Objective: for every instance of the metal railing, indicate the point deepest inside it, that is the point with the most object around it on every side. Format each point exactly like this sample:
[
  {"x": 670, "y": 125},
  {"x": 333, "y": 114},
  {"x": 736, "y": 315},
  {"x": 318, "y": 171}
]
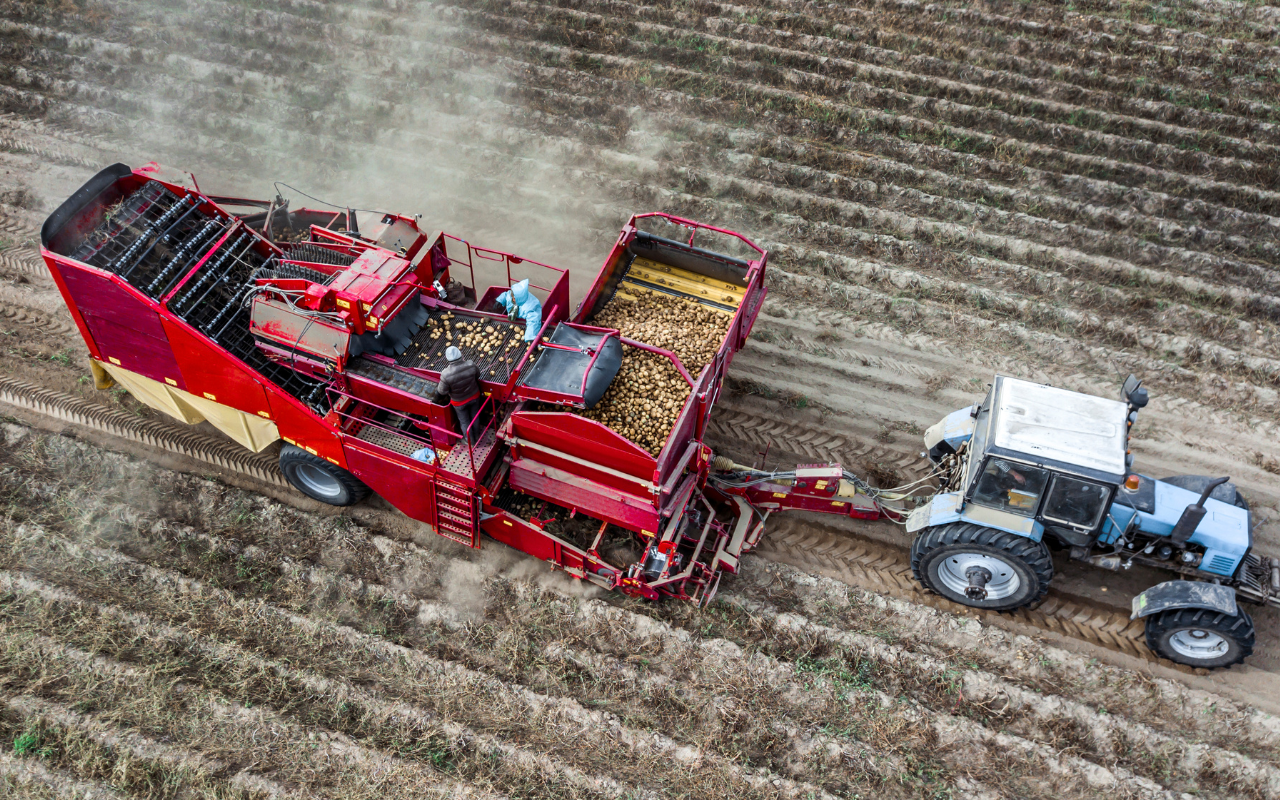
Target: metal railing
[
  {"x": 507, "y": 260},
  {"x": 417, "y": 431}
]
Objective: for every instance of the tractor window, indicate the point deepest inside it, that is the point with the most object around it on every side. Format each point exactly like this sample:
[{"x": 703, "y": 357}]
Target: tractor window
[
  {"x": 1075, "y": 502},
  {"x": 1010, "y": 486}
]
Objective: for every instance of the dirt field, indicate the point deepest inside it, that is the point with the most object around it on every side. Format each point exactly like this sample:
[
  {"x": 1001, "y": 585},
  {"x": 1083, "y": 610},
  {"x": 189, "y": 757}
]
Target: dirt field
[{"x": 946, "y": 191}]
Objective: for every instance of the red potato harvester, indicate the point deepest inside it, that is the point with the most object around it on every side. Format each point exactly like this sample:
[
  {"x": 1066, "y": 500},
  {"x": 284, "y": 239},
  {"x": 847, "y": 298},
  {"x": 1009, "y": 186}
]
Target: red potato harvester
[{"x": 327, "y": 330}]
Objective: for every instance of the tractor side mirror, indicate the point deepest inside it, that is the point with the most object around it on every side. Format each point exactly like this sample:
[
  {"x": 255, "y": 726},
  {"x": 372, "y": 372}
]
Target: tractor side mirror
[
  {"x": 1192, "y": 514},
  {"x": 1133, "y": 392}
]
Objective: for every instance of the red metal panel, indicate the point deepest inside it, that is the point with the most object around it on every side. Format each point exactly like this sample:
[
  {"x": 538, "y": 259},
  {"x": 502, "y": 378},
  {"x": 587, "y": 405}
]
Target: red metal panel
[
  {"x": 99, "y": 295},
  {"x": 300, "y": 426},
  {"x": 382, "y": 394},
  {"x": 638, "y": 488},
  {"x": 211, "y": 372},
  {"x": 773, "y": 496},
  {"x": 56, "y": 267},
  {"x": 124, "y": 326},
  {"x": 410, "y": 490},
  {"x": 681, "y": 433},
  {"x": 135, "y": 352},
  {"x": 585, "y": 439},
  {"x": 573, "y": 491},
  {"x": 515, "y": 532}
]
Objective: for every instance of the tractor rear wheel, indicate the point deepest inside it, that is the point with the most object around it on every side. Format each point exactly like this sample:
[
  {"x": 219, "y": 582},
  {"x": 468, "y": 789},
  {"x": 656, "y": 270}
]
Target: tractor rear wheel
[
  {"x": 1200, "y": 638},
  {"x": 320, "y": 479},
  {"x": 981, "y": 567}
]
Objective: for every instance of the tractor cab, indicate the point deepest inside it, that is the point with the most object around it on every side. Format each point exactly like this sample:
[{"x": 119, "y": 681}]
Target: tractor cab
[{"x": 1031, "y": 459}]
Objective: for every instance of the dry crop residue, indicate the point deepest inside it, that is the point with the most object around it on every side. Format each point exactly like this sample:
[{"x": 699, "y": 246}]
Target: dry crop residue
[{"x": 220, "y": 643}]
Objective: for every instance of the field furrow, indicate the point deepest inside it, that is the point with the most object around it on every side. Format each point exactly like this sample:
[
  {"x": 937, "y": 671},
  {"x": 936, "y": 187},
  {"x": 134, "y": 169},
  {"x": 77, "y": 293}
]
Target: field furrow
[
  {"x": 1227, "y": 359},
  {"x": 527, "y": 620},
  {"x": 1064, "y": 192}
]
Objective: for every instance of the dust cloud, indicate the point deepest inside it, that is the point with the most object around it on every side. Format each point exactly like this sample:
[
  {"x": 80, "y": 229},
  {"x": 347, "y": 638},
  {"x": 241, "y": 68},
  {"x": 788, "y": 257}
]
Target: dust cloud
[{"x": 394, "y": 117}]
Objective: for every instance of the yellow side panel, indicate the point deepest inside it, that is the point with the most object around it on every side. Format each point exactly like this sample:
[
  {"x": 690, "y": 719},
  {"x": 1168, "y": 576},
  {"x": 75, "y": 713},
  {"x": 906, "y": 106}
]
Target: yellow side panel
[
  {"x": 686, "y": 282},
  {"x": 249, "y": 430},
  {"x": 634, "y": 291}
]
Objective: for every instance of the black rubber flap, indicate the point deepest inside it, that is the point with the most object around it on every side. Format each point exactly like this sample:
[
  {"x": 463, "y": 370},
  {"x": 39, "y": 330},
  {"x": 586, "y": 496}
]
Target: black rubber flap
[
  {"x": 561, "y": 370},
  {"x": 83, "y": 197}
]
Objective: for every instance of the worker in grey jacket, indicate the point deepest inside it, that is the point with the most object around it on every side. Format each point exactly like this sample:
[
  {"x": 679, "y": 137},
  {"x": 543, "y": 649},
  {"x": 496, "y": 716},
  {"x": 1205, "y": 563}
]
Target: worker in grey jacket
[{"x": 460, "y": 385}]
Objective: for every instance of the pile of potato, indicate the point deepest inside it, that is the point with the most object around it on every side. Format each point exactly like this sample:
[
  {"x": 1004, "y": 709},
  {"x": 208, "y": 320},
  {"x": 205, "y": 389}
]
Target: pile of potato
[
  {"x": 481, "y": 336},
  {"x": 644, "y": 399},
  {"x": 690, "y": 330}
]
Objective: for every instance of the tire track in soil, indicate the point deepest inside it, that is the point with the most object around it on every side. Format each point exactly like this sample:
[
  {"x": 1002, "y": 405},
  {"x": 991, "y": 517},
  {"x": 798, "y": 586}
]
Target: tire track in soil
[
  {"x": 880, "y": 568},
  {"x": 16, "y": 317}
]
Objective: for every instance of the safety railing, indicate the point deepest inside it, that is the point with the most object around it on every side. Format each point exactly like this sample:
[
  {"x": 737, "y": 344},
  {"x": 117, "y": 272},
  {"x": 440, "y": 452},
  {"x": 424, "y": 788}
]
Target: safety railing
[
  {"x": 694, "y": 226},
  {"x": 557, "y": 293},
  {"x": 357, "y": 416},
  {"x": 485, "y": 412}
]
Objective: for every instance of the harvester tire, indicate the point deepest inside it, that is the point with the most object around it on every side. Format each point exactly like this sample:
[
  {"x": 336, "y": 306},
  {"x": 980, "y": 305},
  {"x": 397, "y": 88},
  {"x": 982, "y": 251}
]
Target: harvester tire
[
  {"x": 1200, "y": 638},
  {"x": 320, "y": 479},
  {"x": 1018, "y": 569}
]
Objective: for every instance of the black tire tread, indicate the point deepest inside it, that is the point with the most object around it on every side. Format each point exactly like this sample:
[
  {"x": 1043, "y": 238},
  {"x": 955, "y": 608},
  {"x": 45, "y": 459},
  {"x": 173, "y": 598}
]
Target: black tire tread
[
  {"x": 1034, "y": 554},
  {"x": 1239, "y": 627},
  {"x": 356, "y": 489}
]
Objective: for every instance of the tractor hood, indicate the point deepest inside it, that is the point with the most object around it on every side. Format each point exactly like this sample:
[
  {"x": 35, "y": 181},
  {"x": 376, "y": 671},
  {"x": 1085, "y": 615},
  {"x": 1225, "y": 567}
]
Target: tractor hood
[{"x": 1223, "y": 533}]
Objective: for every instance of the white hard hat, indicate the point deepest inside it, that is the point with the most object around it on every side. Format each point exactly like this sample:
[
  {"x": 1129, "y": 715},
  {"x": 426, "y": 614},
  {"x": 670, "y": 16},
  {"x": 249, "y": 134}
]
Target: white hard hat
[{"x": 452, "y": 353}]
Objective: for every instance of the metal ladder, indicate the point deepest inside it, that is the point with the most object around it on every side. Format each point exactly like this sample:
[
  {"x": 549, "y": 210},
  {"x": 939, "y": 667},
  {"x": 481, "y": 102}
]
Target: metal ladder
[{"x": 456, "y": 513}]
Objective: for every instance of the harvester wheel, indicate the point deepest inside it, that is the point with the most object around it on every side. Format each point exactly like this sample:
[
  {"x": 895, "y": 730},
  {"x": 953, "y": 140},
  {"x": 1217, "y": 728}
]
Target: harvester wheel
[
  {"x": 981, "y": 567},
  {"x": 320, "y": 479},
  {"x": 1200, "y": 638}
]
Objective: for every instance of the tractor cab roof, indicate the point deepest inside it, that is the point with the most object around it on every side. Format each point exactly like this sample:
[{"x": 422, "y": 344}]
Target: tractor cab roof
[{"x": 1058, "y": 428}]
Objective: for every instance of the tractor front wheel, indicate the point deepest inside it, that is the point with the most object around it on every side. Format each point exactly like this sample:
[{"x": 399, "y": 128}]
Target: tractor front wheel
[
  {"x": 320, "y": 479},
  {"x": 981, "y": 567},
  {"x": 1200, "y": 638}
]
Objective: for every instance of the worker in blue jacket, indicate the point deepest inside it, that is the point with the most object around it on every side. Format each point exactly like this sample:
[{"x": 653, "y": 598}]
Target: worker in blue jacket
[{"x": 521, "y": 304}]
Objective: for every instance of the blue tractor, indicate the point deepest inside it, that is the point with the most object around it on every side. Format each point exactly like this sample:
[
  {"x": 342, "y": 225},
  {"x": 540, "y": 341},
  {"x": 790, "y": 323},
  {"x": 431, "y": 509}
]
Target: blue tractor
[{"x": 1033, "y": 466}]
